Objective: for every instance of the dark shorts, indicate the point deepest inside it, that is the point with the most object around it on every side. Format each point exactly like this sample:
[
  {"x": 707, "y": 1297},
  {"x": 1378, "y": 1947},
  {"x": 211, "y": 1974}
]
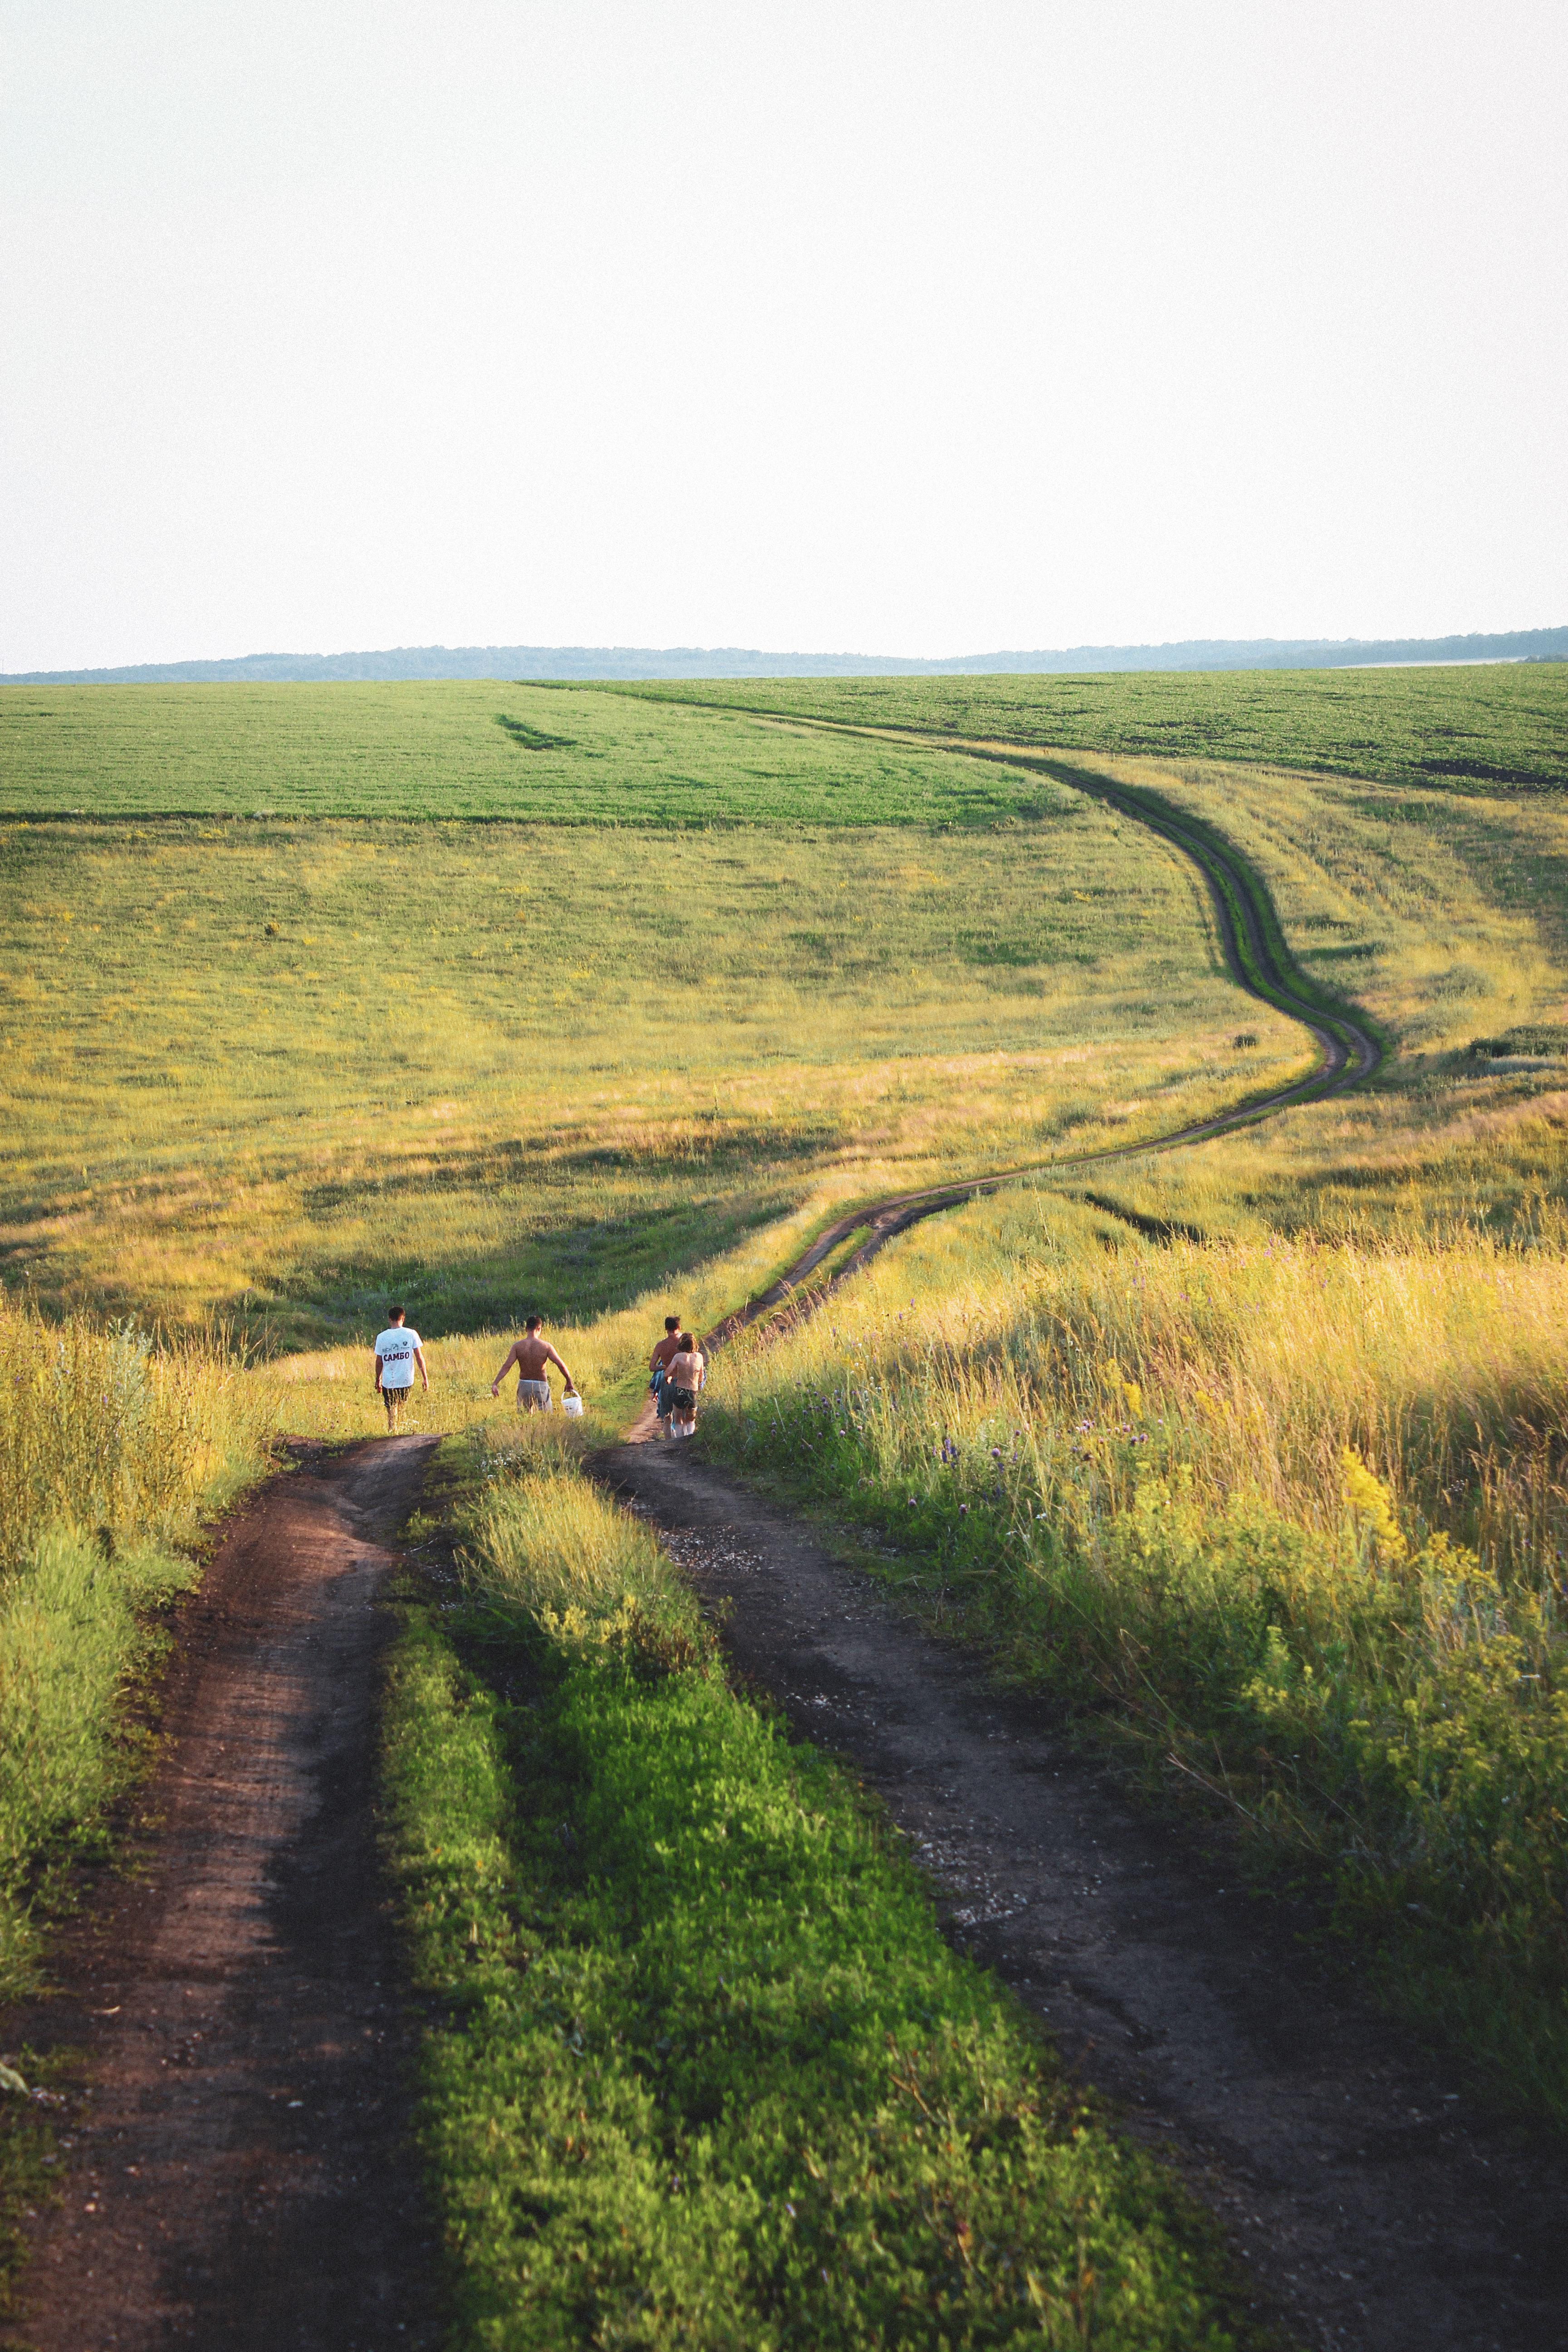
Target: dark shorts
[
  {"x": 396, "y": 1396},
  {"x": 683, "y": 1401}
]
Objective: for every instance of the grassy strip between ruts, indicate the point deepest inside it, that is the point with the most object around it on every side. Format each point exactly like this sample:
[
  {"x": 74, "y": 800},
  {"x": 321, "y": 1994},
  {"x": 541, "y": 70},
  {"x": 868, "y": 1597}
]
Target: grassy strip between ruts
[{"x": 699, "y": 2069}]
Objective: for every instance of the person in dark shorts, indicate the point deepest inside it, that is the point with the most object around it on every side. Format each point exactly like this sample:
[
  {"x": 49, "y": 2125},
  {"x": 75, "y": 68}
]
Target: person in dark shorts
[
  {"x": 658, "y": 1365},
  {"x": 397, "y": 1350},
  {"x": 687, "y": 1370}
]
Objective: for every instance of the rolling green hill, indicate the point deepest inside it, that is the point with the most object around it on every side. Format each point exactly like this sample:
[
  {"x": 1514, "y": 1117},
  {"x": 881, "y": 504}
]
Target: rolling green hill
[{"x": 1499, "y": 724}]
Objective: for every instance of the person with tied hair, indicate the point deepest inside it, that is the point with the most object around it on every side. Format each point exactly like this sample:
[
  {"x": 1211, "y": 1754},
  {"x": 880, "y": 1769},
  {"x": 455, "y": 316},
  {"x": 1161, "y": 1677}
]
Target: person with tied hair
[
  {"x": 397, "y": 1350},
  {"x": 533, "y": 1355},
  {"x": 687, "y": 1370}
]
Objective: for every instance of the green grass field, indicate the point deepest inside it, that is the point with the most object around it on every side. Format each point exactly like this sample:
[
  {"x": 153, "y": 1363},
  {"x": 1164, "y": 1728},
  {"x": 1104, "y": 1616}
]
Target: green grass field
[
  {"x": 1253, "y": 1453},
  {"x": 1504, "y": 723},
  {"x": 463, "y": 754},
  {"x": 273, "y": 1068}
]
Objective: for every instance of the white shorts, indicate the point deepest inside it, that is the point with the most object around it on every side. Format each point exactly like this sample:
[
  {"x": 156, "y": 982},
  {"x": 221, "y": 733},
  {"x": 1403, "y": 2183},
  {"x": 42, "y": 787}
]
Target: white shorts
[{"x": 535, "y": 1393}]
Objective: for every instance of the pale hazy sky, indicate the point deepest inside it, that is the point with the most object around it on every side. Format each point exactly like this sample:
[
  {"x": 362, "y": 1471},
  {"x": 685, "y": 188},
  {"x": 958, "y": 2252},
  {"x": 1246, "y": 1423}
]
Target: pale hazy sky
[{"x": 904, "y": 328}]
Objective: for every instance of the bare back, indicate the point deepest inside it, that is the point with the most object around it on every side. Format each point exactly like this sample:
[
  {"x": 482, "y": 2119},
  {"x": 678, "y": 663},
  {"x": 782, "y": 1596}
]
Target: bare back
[{"x": 686, "y": 1370}]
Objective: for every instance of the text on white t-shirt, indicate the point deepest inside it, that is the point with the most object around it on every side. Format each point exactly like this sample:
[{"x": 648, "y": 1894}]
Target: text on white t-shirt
[{"x": 395, "y": 1348}]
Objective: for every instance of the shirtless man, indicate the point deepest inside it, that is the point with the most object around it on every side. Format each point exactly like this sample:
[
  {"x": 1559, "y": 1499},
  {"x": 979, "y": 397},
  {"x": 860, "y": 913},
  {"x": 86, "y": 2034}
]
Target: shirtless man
[
  {"x": 533, "y": 1354},
  {"x": 658, "y": 1365},
  {"x": 686, "y": 1375}
]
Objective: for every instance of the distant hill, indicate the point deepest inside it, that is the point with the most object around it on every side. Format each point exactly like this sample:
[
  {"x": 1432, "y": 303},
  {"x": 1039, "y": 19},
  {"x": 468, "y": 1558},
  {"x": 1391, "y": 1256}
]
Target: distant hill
[{"x": 590, "y": 662}]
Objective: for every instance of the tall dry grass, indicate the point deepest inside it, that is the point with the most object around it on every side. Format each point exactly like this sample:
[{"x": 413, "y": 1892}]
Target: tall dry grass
[
  {"x": 111, "y": 1451},
  {"x": 102, "y": 1429},
  {"x": 1289, "y": 1517},
  {"x": 1255, "y": 1362}
]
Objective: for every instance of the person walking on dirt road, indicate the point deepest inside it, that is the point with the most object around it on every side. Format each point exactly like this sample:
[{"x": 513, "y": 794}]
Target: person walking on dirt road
[
  {"x": 658, "y": 1365},
  {"x": 687, "y": 1372},
  {"x": 533, "y": 1355},
  {"x": 397, "y": 1350}
]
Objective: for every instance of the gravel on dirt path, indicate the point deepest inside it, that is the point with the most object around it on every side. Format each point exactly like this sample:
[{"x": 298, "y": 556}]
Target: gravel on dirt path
[
  {"x": 241, "y": 2174},
  {"x": 1380, "y": 2211}
]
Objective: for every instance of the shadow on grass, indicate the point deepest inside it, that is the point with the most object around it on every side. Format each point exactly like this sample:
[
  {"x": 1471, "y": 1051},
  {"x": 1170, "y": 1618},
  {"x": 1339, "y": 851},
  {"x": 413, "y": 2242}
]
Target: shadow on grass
[
  {"x": 569, "y": 1273},
  {"x": 708, "y": 1146}
]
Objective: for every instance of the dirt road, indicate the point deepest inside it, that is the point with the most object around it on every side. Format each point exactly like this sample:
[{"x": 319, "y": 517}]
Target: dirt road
[
  {"x": 1382, "y": 2210},
  {"x": 1251, "y": 943},
  {"x": 239, "y": 2176}
]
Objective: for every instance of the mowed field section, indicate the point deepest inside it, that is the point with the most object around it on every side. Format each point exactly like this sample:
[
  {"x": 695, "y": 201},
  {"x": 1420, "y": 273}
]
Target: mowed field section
[
  {"x": 450, "y": 749},
  {"x": 266, "y": 1066},
  {"x": 1466, "y": 724}
]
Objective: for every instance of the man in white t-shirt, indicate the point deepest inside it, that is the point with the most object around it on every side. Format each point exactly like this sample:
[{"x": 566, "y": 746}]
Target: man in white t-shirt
[{"x": 397, "y": 1350}]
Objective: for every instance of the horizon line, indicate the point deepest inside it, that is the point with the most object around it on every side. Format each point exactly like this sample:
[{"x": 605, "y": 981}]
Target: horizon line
[{"x": 612, "y": 663}]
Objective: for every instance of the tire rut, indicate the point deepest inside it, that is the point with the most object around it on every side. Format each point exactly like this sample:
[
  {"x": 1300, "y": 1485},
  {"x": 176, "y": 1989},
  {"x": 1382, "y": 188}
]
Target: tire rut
[
  {"x": 1348, "y": 1054},
  {"x": 241, "y": 2175},
  {"x": 1378, "y": 2209}
]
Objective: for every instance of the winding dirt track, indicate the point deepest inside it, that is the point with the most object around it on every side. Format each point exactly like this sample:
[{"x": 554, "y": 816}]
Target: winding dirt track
[
  {"x": 240, "y": 2177},
  {"x": 1378, "y": 2210},
  {"x": 1379, "y": 2207},
  {"x": 1348, "y": 1054}
]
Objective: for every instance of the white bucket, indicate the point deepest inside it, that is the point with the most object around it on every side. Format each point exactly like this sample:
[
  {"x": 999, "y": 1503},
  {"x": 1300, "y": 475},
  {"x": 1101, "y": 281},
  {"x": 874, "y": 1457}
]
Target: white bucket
[{"x": 573, "y": 1405}]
